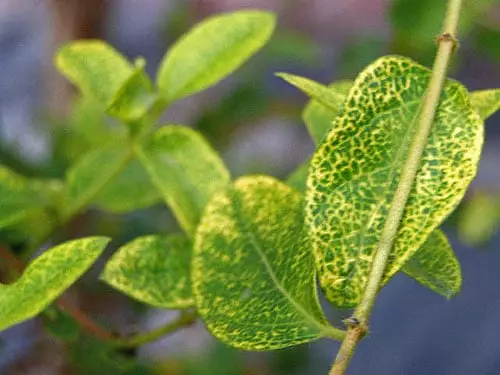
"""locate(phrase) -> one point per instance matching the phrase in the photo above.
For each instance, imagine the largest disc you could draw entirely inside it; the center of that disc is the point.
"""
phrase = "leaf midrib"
(255, 241)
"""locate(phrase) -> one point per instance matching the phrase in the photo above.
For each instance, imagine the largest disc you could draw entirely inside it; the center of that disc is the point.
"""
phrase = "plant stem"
(358, 325)
(84, 321)
(186, 318)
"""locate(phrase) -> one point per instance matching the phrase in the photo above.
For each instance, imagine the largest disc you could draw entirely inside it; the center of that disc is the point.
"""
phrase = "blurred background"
(254, 120)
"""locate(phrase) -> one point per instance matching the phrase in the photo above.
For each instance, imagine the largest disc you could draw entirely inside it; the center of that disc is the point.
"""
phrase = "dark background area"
(253, 119)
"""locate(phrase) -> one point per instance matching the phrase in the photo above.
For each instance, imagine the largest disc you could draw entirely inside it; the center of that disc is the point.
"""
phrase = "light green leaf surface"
(298, 178)
(479, 219)
(355, 171)
(134, 97)
(253, 272)
(46, 278)
(315, 90)
(130, 190)
(95, 67)
(319, 118)
(185, 168)
(92, 172)
(20, 197)
(211, 50)
(153, 270)
(435, 265)
(485, 102)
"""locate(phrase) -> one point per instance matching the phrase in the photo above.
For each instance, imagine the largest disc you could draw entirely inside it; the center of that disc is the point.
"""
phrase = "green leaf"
(322, 94)
(435, 265)
(253, 273)
(319, 118)
(95, 67)
(211, 50)
(130, 190)
(298, 178)
(92, 172)
(486, 102)
(426, 271)
(135, 97)
(60, 324)
(106, 76)
(355, 171)
(187, 171)
(153, 270)
(46, 278)
(20, 197)
(479, 219)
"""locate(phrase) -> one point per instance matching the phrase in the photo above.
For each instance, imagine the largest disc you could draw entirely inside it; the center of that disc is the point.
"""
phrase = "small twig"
(446, 45)
(185, 319)
(84, 321)
(11, 260)
(80, 317)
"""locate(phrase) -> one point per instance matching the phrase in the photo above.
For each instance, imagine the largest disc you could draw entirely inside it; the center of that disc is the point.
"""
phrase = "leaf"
(187, 171)
(486, 102)
(435, 266)
(106, 76)
(153, 270)
(298, 178)
(253, 273)
(95, 67)
(479, 219)
(330, 99)
(211, 50)
(134, 97)
(324, 105)
(60, 324)
(319, 118)
(46, 278)
(92, 172)
(355, 171)
(20, 197)
(129, 191)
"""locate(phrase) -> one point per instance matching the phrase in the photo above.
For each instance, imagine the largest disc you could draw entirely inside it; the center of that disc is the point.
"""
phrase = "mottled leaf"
(211, 50)
(435, 265)
(485, 102)
(153, 270)
(92, 172)
(95, 67)
(253, 272)
(130, 190)
(355, 171)
(479, 219)
(187, 171)
(46, 278)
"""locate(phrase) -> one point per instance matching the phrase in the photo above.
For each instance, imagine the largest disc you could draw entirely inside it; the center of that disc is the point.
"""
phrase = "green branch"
(358, 324)
(185, 319)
